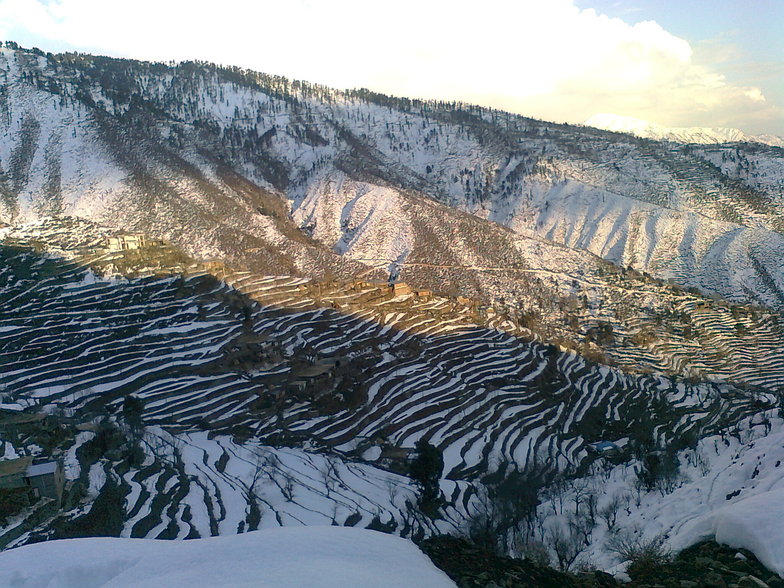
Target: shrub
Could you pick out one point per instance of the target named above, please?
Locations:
(646, 557)
(12, 501)
(659, 471)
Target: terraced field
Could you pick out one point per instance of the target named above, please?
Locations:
(194, 349)
(195, 485)
(314, 393)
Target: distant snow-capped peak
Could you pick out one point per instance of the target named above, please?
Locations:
(643, 128)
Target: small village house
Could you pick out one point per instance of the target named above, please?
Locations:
(126, 242)
(400, 289)
(46, 479)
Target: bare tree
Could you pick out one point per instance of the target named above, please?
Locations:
(581, 490)
(287, 486)
(330, 474)
(483, 526)
(556, 494)
(271, 468)
(251, 490)
(582, 525)
(164, 447)
(567, 543)
(392, 491)
(609, 512)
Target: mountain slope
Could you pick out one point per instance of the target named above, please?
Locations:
(273, 173)
(274, 400)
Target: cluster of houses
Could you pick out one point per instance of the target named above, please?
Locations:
(125, 242)
(24, 480)
(367, 291)
(129, 241)
(608, 449)
(252, 349)
(321, 373)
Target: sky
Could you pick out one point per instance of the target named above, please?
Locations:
(712, 63)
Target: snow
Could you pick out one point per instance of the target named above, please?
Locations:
(707, 135)
(361, 221)
(318, 557)
(372, 453)
(542, 188)
(730, 488)
(642, 214)
(754, 524)
(14, 406)
(42, 468)
(8, 450)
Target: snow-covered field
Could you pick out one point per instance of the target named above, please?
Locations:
(493, 402)
(316, 557)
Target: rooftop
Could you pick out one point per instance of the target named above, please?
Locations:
(39, 469)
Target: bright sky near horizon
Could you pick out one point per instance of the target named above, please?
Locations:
(671, 62)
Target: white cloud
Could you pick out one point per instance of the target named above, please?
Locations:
(754, 94)
(542, 58)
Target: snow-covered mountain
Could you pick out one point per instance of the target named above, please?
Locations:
(648, 130)
(272, 173)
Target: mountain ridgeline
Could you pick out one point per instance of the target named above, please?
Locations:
(286, 175)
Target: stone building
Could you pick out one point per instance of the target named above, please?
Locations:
(126, 242)
(46, 479)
